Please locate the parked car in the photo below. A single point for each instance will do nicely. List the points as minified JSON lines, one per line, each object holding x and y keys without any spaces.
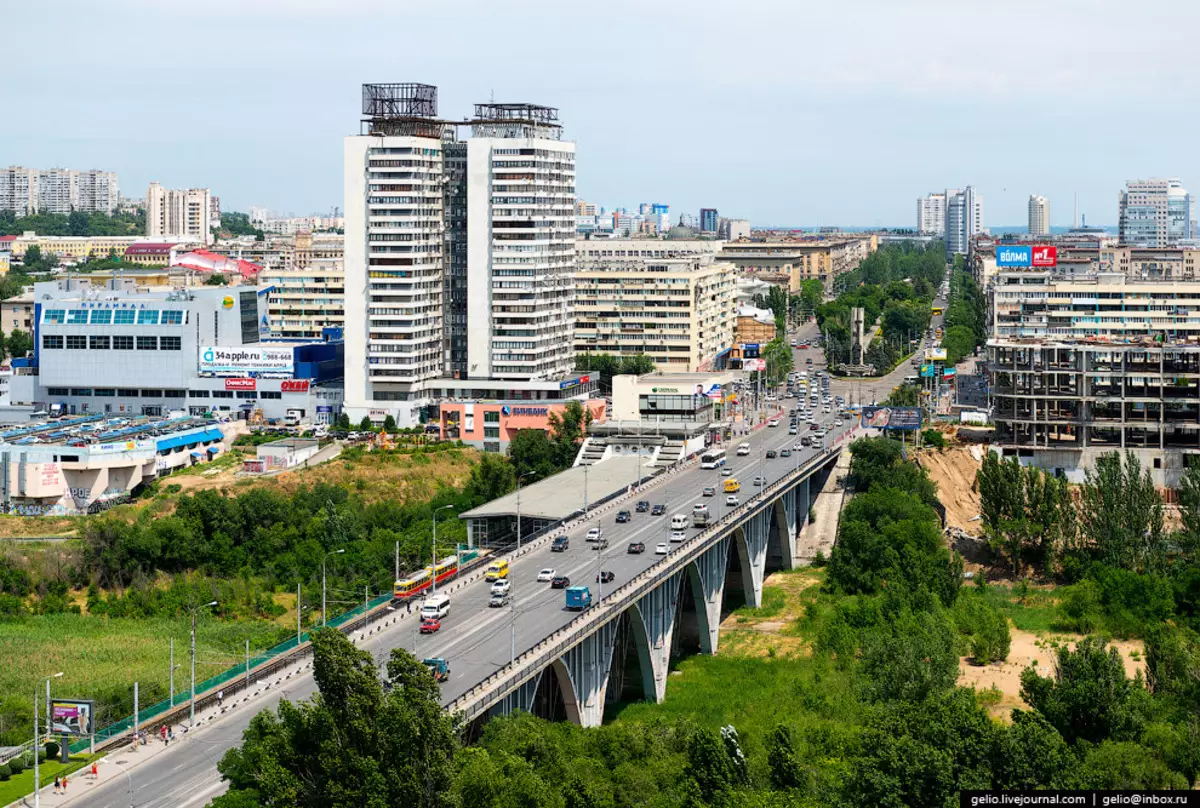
{"x":546,"y":575}
{"x":430,"y":624}
{"x":636,"y":547}
{"x":606,"y":576}
{"x":560,"y":582}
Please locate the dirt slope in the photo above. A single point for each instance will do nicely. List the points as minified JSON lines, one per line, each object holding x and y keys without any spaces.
{"x":953,"y":471}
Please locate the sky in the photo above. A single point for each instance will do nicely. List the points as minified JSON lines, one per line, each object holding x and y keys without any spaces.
{"x":785,"y":113}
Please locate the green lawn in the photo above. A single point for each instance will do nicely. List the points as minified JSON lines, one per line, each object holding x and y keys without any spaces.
{"x":22,"y":784}
{"x":1035,"y":612}
{"x":101,"y":658}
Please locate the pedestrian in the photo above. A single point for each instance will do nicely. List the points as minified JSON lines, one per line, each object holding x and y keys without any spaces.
{"x":95,"y":771}
{"x":64,"y":784}
{"x":170,"y":735}
{"x":57,"y":785}
{"x":409,"y":604}
{"x":220,"y":698}
{"x":162,"y":733}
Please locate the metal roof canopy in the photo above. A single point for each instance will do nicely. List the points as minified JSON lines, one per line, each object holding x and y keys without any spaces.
{"x":560,"y":496}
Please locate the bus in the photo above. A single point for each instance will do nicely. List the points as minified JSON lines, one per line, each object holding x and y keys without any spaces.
{"x":937,"y":310}
{"x":712,"y":459}
{"x":416,"y":584}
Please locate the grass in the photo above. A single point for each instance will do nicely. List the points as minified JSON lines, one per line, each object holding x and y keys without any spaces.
{"x":22,"y":784}
{"x":1036,"y":613}
{"x":101,"y":658}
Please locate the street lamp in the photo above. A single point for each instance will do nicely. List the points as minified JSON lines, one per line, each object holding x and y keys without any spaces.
{"x":433,"y":560}
{"x":37,"y":783}
{"x":129,"y":777}
{"x":192,"y":710}
{"x":324,"y":612}
{"x":519,"y":478}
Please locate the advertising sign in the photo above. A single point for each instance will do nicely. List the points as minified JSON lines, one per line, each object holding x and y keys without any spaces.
{"x":324,"y":408}
{"x":574,"y":382}
{"x":935,"y":354}
{"x":72,"y":717}
{"x":241,"y":384}
{"x":1010,"y":256}
{"x":1045,"y":256}
{"x":905,"y":418}
{"x":246,"y":359}
{"x":928,"y":371}
{"x":754,"y":364}
{"x":294,"y":386}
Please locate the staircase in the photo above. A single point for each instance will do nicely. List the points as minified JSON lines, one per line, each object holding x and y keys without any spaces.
{"x":668,"y":454}
{"x":593,"y":451}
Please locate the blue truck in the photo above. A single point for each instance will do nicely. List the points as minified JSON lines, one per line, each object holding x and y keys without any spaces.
{"x":579,"y":598}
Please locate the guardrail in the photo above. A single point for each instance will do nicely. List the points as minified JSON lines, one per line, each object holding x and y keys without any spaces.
{"x":529,"y":663}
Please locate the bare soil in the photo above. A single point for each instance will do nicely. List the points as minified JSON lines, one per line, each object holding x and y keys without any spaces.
{"x":953,"y":472}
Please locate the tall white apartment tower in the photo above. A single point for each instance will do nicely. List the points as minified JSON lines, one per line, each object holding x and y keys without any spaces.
{"x":58,"y":190}
{"x":1039,"y":216}
{"x":931,"y":215}
{"x":964,"y":220}
{"x":520,"y":177}
{"x":96,"y":191}
{"x":393,"y":182}
{"x":19,"y":190}
{"x":178,"y":213}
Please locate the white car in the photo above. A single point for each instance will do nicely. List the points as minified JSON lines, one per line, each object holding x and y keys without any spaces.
{"x":732,"y":501}
{"x":662,"y":548}
{"x":743,"y":449}
{"x":501,"y":587}
{"x":594,"y":534}
{"x":797,"y":447}
{"x":678,"y":535}
{"x":546,"y":575}
{"x":773,"y":422}
{"x":838,"y":422}
{"x":759,"y":480}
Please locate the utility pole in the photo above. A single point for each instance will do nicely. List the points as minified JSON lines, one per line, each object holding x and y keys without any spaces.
{"x":298,"y":615}
{"x":172,"y":677}
{"x":194,"y":610}
{"x":37,"y":791}
{"x":433,"y":577}
{"x":324,"y":610}
{"x":247,"y":665}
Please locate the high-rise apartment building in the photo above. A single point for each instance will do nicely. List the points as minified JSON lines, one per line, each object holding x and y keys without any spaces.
{"x":1039,"y":216}
{"x":459,"y":255}
{"x":26,"y":191}
{"x":708,"y":220}
{"x":19,"y":190}
{"x":178,"y":213}
{"x":964,"y":220}
{"x":931,"y":215}
{"x":96,"y":192}
{"x":57,"y":190}
{"x":1155,"y":213}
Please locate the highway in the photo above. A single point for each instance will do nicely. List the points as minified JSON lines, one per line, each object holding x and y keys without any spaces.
{"x":477,"y":640}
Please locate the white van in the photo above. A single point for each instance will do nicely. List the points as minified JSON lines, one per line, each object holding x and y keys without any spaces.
{"x":743,"y":449}
{"x":436,"y":606}
{"x":679,"y":522}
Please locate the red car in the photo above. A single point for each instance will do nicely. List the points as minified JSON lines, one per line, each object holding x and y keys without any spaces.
{"x":430,"y":625}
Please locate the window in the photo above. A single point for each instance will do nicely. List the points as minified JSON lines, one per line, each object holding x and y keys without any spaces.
{"x":101,"y":317}
{"x":222,"y":394}
{"x":54,"y":316}
{"x":76,"y":342}
{"x":197,"y":393}
{"x":122,"y":343}
{"x":105,"y":393}
{"x":126,"y":392}
{"x":147,"y":343}
{"x":98,"y":343}
{"x":172,"y":317}
{"x":77,"y":317}
{"x":249,"y":312}
{"x":247,"y":394}
{"x":57,"y":391}
{"x":491,"y":432}
{"x":152,"y":394}
{"x":170,"y":344}
{"x":271,"y":394}
{"x":492,"y":417}
{"x":81,"y":391}
{"x":52,"y":341}
{"x":147,"y":317}
{"x":123,"y":317}
{"x":173,"y":393}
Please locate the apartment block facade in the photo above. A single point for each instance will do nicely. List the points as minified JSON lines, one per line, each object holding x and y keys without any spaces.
{"x":931,"y":215}
{"x":680,"y":310}
{"x":26,"y":191}
{"x":1039,"y":216}
{"x":19,"y":190}
{"x":179,"y":213}
{"x":1155,"y":213}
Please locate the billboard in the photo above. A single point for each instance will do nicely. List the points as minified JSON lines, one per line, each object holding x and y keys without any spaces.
{"x":935,"y":354}
{"x":754,"y":364}
{"x":241,"y":384}
{"x":72,"y":717}
{"x":906,"y":418}
{"x":1039,"y":255}
{"x":928,"y":371}
{"x":245,"y":359}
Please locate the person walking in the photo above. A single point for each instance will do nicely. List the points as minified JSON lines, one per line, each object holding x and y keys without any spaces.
{"x":57,"y":784}
{"x":162,"y":733}
{"x":220,"y":698}
{"x":64,"y":784}
{"x":95,"y":771}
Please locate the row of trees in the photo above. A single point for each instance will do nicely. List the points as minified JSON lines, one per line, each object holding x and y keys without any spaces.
{"x":76,"y":223}
{"x":604,"y":366}
{"x":234,"y":224}
{"x":965,"y":323}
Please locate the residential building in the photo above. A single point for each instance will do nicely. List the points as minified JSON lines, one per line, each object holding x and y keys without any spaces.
{"x":96,"y":192}
{"x":931,"y":215}
{"x":1155,"y":213}
{"x":735,"y":230}
{"x":964,"y":220}
{"x":1098,"y":354}
{"x":19,"y":190}
{"x":679,"y":310}
{"x":708,"y":220}
{"x":17,"y":313}
{"x":302,"y":303}
{"x":586,"y":209}
{"x":214,"y":212}
{"x":789,"y":262}
{"x":57,"y":190}
{"x":754,"y":331}
{"x":1039,"y":216}
{"x":179,"y":213}
{"x":80,"y":248}
{"x":486,"y":237}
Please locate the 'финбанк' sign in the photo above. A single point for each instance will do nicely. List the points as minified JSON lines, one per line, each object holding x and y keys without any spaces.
{"x":245,"y":359}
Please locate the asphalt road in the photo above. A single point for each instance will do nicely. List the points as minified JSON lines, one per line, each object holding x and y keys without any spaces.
{"x":475,"y":639}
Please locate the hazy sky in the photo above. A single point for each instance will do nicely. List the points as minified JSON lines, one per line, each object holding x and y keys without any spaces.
{"x":782,"y":112}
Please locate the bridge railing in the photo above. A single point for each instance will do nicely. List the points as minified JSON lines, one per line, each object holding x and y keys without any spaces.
{"x":469,"y":705}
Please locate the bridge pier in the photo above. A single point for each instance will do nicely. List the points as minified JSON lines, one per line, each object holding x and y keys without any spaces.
{"x":652,"y":631}
{"x":785,"y":525}
{"x":708,"y":581}
{"x":756,"y":532}
{"x":587,"y":668}
{"x":520,"y":699}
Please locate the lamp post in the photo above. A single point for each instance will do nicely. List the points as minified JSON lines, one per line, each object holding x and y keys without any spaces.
{"x":585,"y":498}
{"x":519,"y":478}
{"x":37,"y":790}
{"x":129,"y":777}
{"x":192,"y":710}
{"x":433,"y":558}
{"x":324,"y":612}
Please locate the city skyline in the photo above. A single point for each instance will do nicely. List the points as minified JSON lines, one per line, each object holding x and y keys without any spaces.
{"x":905,"y":121}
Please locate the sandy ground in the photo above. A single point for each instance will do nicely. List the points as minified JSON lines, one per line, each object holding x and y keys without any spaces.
{"x":953,"y":471}
{"x":1029,"y":649}
{"x":746,"y":635}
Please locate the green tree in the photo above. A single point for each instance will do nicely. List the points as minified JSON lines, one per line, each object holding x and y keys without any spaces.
{"x":343,"y":422}
{"x":905,"y":395}
{"x":778,"y":355}
{"x":1032,"y":754}
{"x":910,"y":657}
{"x":533,"y":453}
{"x":1123,"y":514}
{"x":637,"y":365}
{"x":1089,"y":697}
{"x":352,"y":744}
{"x":709,"y":765}
{"x":786,"y":766}
{"x":19,"y":343}
{"x":389,"y":424}
{"x":492,"y":478}
{"x":1125,"y":766}
{"x":1187,"y":540}
{"x":365,"y":425}
{"x":77,"y":223}
{"x":216,"y":279}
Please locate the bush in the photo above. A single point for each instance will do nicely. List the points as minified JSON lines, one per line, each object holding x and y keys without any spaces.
{"x":986,"y":630}
{"x":933,"y":439}
{"x":17,"y":765}
{"x":1080,"y":607}
{"x":52,"y":750}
